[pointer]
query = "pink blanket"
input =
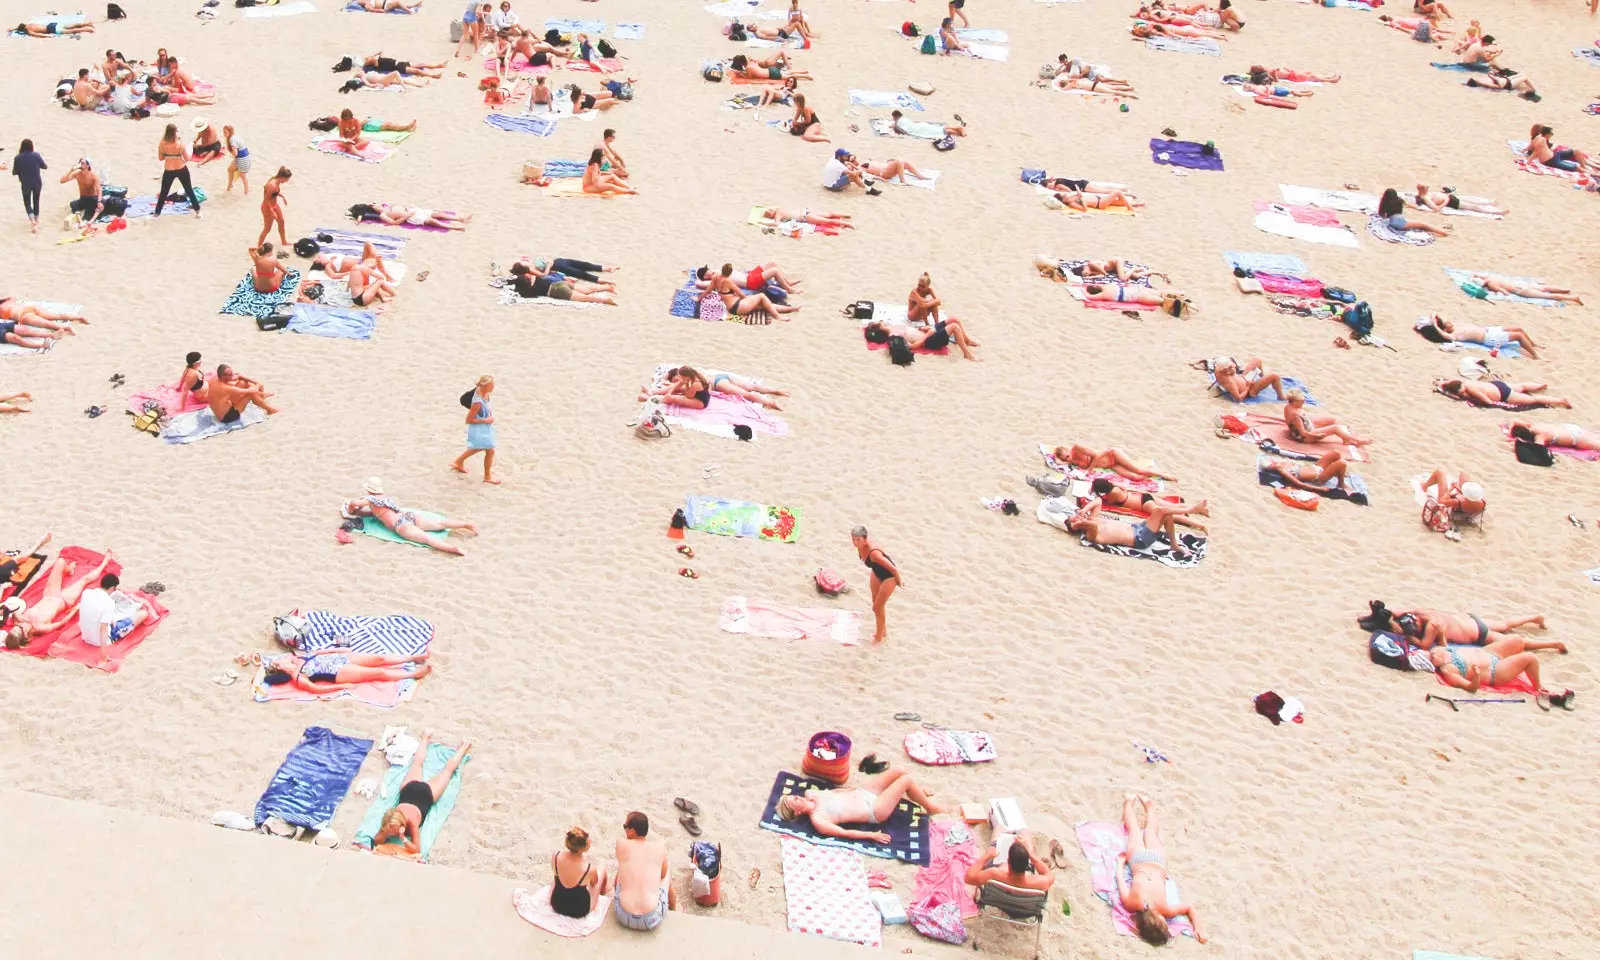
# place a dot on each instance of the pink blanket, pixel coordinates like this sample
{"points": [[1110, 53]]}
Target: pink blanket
{"points": [[1102, 841], [373, 152], [1315, 216], [1533, 166], [1293, 286], [169, 396], [1116, 305], [826, 892], [952, 849], [1576, 453], [67, 642], [535, 908], [762, 618], [725, 412]]}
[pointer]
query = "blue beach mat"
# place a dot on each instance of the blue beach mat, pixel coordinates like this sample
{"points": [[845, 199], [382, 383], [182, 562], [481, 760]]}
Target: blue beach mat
{"points": [[313, 778]]}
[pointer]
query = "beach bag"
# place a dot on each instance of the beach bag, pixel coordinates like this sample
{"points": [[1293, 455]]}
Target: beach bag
{"points": [[289, 629], [1176, 306], [653, 427], [1475, 290], [1534, 454], [307, 247], [1032, 176], [114, 12], [622, 91], [113, 191], [928, 45], [1389, 650], [313, 292], [712, 73], [1047, 72], [151, 417], [455, 31], [712, 307], [276, 320], [466, 398], [552, 36], [736, 32], [1338, 293], [909, 29], [860, 310], [830, 584], [244, 3], [685, 303], [1358, 318], [900, 352], [937, 918], [531, 170], [835, 771], [945, 143], [1436, 516], [113, 206]]}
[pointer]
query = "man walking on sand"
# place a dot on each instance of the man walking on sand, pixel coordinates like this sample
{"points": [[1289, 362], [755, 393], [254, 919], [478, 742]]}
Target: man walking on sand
{"points": [[644, 894]]}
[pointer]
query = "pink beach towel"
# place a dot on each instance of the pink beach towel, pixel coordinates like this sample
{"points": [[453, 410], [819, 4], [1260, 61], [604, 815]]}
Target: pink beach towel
{"points": [[517, 64], [535, 908], [602, 65], [175, 401], [1143, 486], [952, 849], [1533, 166], [1293, 286], [726, 411], [373, 152], [762, 618], [67, 642], [947, 747], [1117, 305], [1102, 841], [1314, 216], [826, 891], [1275, 429], [1576, 453]]}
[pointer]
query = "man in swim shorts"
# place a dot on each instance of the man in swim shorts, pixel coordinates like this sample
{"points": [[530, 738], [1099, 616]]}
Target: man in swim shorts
{"points": [[231, 393], [1430, 628], [643, 895]]}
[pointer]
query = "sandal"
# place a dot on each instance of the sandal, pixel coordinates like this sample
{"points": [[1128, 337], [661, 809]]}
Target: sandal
{"points": [[755, 877], [343, 536], [688, 574], [247, 659], [226, 679], [687, 806], [693, 826], [1057, 855], [93, 412], [908, 715], [686, 550], [422, 276], [1341, 343]]}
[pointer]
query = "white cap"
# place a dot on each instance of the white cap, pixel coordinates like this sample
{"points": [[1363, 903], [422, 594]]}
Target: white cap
{"points": [[1472, 490], [200, 123]]}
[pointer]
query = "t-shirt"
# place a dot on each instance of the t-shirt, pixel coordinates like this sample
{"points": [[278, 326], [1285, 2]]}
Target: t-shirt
{"points": [[502, 19], [95, 608], [26, 167], [833, 173]]}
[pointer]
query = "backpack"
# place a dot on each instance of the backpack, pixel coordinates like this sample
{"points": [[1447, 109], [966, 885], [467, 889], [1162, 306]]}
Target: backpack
{"points": [[1338, 293], [1358, 318], [830, 584], [929, 45], [552, 36], [307, 247], [1534, 454], [1423, 33], [860, 310], [945, 143], [1032, 175], [900, 352], [606, 49], [712, 73], [1390, 650], [113, 206], [114, 12], [289, 629], [909, 29]]}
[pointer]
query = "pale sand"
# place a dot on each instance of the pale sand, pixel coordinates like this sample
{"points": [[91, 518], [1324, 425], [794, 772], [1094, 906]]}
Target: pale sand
{"points": [[594, 681]]}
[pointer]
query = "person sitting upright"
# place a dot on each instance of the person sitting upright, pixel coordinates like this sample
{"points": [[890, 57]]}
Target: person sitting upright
{"points": [[1249, 380], [88, 92], [644, 893], [829, 810], [229, 394], [1022, 868], [577, 883], [1305, 428]]}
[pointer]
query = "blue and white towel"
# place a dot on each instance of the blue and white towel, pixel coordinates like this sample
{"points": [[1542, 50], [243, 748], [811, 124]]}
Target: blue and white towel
{"points": [[350, 242], [1588, 53], [1282, 263], [885, 98], [203, 424], [324, 321], [628, 31], [1380, 227], [982, 35], [1459, 277], [569, 25], [538, 126], [313, 779], [397, 635], [354, 6], [558, 169]]}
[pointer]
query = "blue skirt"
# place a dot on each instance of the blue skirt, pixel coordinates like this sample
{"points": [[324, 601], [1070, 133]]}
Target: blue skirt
{"points": [[480, 436]]}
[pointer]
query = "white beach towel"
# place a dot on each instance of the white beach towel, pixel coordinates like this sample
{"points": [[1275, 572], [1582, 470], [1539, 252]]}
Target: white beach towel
{"points": [[1283, 225], [1349, 201]]}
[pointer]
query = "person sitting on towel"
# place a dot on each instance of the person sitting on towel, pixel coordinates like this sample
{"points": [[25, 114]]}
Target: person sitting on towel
{"points": [[56, 607], [1133, 501], [1249, 380], [1111, 532], [1316, 477], [88, 92], [338, 668], [351, 127], [829, 810], [1462, 495], [1430, 628], [1305, 428], [1440, 330], [1145, 895], [416, 800], [1020, 867], [1498, 664], [266, 270], [948, 38], [1109, 459], [644, 892], [230, 393]]}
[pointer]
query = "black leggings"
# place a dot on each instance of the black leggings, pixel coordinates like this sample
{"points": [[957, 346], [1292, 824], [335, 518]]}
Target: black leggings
{"points": [[576, 269], [30, 200], [181, 175]]}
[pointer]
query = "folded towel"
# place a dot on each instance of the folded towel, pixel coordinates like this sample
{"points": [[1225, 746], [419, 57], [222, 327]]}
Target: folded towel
{"points": [[372, 152], [535, 908]]}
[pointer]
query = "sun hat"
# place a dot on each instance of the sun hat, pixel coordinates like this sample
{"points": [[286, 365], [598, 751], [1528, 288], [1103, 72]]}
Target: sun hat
{"points": [[375, 486], [200, 123], [1472, 490]]}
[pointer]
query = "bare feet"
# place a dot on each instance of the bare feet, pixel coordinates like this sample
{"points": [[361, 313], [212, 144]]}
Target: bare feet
{"points": [[491, 480], [1203, 508], [422, 671], [457, 467]]}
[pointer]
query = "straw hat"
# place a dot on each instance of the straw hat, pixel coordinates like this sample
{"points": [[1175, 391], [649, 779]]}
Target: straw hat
{"points": [[375, 486], [200, 123]]}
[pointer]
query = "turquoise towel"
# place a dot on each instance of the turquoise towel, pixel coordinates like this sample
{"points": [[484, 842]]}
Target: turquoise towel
{"points": [[373, 527], [438, 755]]}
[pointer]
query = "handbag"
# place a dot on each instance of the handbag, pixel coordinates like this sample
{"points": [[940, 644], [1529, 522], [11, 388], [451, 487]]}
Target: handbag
{"points": [[860, 310], [1176, 306], [653, 426]]}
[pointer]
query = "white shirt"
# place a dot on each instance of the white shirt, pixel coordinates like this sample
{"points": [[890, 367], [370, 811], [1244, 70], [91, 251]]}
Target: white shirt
{"points": [[832, 172], [502, 19], [96, 611]]}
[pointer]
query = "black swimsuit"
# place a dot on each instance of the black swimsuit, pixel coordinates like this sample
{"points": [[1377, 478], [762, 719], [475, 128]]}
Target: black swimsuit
{"points": [[419, 795], [879, 570], [570, 901]]}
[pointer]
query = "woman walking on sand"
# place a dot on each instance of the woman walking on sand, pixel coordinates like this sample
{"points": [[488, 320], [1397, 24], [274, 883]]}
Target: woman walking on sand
{"points": [[239, 167], [885, 577], [480, 429], [271, 212], [25, 167], [175, 169]]}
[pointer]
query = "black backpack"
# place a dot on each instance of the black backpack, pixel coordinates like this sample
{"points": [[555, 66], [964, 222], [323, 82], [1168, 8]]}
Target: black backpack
{"points": [[113, 206], [114, 12], [553, 37], [606, 49], [1359, 319], [307, 247], [900, 352], [1534, 454], [1390, 650]]}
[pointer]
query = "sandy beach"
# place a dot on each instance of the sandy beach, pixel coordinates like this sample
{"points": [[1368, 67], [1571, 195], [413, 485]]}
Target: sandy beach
{"points": [[593, 680]]}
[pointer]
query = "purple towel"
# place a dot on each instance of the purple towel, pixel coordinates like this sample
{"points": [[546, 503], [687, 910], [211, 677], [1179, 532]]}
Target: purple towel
{"points": [[1183, 153]]}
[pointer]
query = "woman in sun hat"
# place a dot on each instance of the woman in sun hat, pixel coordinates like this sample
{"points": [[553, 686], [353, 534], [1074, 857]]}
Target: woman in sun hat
{"points": [[406, 524]]}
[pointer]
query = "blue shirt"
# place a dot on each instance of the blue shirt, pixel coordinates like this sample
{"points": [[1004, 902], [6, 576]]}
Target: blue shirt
{"points": [[26, 167]]}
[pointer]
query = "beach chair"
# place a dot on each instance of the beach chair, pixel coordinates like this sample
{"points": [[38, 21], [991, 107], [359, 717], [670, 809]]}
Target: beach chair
{"points": [[1008, 904]]}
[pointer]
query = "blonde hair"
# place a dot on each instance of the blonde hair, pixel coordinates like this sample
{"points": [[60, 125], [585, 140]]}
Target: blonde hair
{"points": [[1295, 396], [1152, 926], [786, 808], [577, 839], [485, 380], [394, 822]]}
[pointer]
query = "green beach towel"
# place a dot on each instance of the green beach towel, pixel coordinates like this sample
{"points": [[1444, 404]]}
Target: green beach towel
{"points": [[438, 755], [740, 518], [373, 527]]}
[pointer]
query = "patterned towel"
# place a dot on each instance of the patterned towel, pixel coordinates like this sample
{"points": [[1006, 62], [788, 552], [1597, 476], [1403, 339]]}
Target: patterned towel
{"points": [[1057, 511], [373, 152], [313, 779], [946, 747], [1379, 227], [1201, 45], [535, 908], [393, 636], [1101, 842], [907, 827], [740, 518], [351, 242], [826, 890], [538, 126], [247, 301], [1527, 163]]}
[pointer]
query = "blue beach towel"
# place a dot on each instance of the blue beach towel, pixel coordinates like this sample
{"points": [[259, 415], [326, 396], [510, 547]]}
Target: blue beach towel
{"points": [[907, 829], [203, 424], [351, 242], [438, 755], [339, 322], [1283, 263], [538, 126], [1462, 67], [1459, 277], [569, 25], [628, 31], [1270, 395], [559, 169], [313, 778], [982, 35], [1590, 54], [354, 6]]}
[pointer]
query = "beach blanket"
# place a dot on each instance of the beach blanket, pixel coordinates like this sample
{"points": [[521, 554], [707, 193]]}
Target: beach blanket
{"points": [[569, 25], [313, 779], [1201, 45], [391, 636], [1525, 162], [826, 892], [144, 206], [354, 6], [1101, 842], [1184, 153], [1350, 201], [1280, 263], [976, 50], [1379, 227], [562, 169], [907, 828], [953, 848], [389, 794], [740, 518], [281, 10], [1576, 453], [568, 188], [12, 350], [1270, 394], [67, 642], [1285, 225], [336, 293], [1272, 434], [1311, 216], [374, 528], [1588, 53], [1149, 485], [350, 242], [247, 301], [724, 412], [946, 747], [1461, 277], [763, 618], [1057, 511], [1305, 287], [340, 322], [202, 424], [628, 31], [884, 98], [921, 129], [173, 400], [538, 126], [372, 152], [1462, 67], [535, 908], [1353, 490]]}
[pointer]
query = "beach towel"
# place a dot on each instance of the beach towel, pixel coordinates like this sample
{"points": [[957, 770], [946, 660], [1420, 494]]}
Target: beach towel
{"points": [[1588, 53], [1270, 394], [562, 169], [1525, 162], [1379, 227], [67, 642], [354, 6], [1462, 67], [11, 349], [1576, 453], [339, 322], [143, 207], [1149, 485], [952, 849], [389, 794], [345, 241], [946, 747], [568, 188], [921, 129], [740, 518], [928, 181], [724, 412], [247, 301], [568, 25], [1284, 225], [280, 10], [628, 31], [373, 152], [1353, 490], [374, 528], [1201, 45], [1306, 287], [795, 42], [907, 828], [884, 98], [535, 908], [763, 618], [1462, 277], [1272, 435], [391, 636], [336, 293], [538, 126], [1184, 153], [826, 893], [1280, 263], [1350, 201], [1311, 216], [313, 779], [173, 400], [1057, 511], [203, 424], [1101, 842]]}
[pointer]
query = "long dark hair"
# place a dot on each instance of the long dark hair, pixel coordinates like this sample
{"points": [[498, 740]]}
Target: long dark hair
{"points": [[597, 157], [1391, 203], [26, 147], [1430, 332]]}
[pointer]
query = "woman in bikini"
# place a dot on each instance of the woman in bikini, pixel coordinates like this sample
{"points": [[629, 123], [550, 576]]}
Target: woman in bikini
{"points": [[805, 124], [1501, 393], [1133, 501], [884, 580], [1084, 202], [1111, 459], [798, 24], [18, 402], [57, 607], [1331, 466], [28, 325], [874, 803], [597, 181], [192, 381], [174, 169], [739, 303], [1498, 664], [266, 271], [780, 95], [1143, 30], [685, 387], [338, 266], [1393, 210], [272, 199], [1565, 435], [1145, 895], [416, 799], [1144, 296], [1305, 428], [1531, 290], [1116, 88], [368, 285], [396, 215], [834, 221], [406, 524], [239, 165], [339, 668]]}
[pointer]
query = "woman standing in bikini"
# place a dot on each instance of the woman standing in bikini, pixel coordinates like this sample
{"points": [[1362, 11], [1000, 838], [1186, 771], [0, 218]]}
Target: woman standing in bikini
{"points": [[1145, 896], [416, 800], [175, 169], [884, 580], [271, 211]]}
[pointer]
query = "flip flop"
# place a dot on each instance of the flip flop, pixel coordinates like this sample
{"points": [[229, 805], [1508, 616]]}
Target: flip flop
{"points": [[93, 412], [755, 877], [343, 536], [693, 826], [688, 574], [422, 276], [227, 679], [908, 715], [686, 550], [687, 806], [1058, 854]]}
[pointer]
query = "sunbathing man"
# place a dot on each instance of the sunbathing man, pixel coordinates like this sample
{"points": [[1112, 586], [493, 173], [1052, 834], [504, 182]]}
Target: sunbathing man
{"points": [[1144, 296], [229, 393], [416, 800], [763, 275], [56, 607], [939, 336], [644, 893], [1145, 896], [88, 92], [1249, 380], [52, 29], [775, 67], [899, 125], [266, 271], [529, 283], [1532, 290], [829, 810], [383, 64], [1439, 202], [1113, 532], [1542, 147], [1463, 496], [833, 221], [1566, 435], [571, 269], [739, 303], [1501, 393], [1430, 628], [1331, 466], [1498, 664], [406, 524], [1132, 501], [1305, 428], [1021, 869], [339, 668], [1110, 459]]}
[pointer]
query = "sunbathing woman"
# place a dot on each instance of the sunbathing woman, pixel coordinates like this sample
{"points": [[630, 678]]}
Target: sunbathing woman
{"points": [[739, 304], [530, 282], [766, 33], [339, 265], [394, 78], [52, 29], [19, 322], [406, 524], [1410, 24], [745, 388], [1514, 83], [1291, 76], [1110, 459], [1393, 209], [1133, 501], [31, 313], [1305, 428], [1144, 30], [1533, 290], [1501, 393], [59, 604], [805, 124], [1112, 532], [1236, 380], [266, 271], [1472, 668], [383, 64], [384, 6], [368, 285], [1144, 296], [1117, 88], [417, 797], [339, 668], [1076, 200], [685, 387], [1564, 435], [16, 403], [397, 215], [1439, 202], [835, 221], [781, 95], [940, 336], [1145, 895], [829, 810], [597, 181], [775, 67], [1311, 476]]}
